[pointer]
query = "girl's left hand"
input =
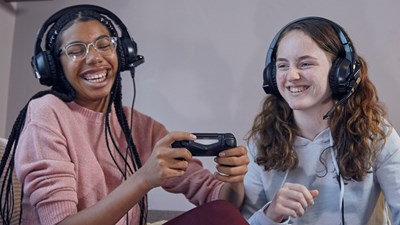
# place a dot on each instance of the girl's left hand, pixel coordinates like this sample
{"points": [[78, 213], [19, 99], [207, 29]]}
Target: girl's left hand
{"points": [[232, 165]]}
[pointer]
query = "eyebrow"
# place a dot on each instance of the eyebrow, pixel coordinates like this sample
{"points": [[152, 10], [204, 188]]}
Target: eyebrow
{"points": [[76, 42], [300, 58]]}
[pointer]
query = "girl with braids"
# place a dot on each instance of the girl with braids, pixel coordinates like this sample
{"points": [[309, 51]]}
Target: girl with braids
{"points": [[308, 166], [84, 158]]}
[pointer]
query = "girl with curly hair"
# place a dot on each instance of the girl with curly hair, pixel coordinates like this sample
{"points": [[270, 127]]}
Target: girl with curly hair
{"points": [[321, 149]]}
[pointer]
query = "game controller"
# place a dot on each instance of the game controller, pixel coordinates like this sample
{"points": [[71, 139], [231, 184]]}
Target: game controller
{"points": [[207, 144]]}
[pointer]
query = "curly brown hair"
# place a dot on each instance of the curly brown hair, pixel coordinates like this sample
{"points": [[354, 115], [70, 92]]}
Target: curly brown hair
{"points": [[358, 126]]}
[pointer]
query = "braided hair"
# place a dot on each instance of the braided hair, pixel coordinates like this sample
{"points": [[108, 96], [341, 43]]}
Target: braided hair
{"points": [[64, 90]]}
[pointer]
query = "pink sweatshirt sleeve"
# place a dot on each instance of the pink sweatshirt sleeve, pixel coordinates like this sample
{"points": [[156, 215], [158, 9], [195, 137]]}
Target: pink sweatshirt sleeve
{"points": [[197, 184]]}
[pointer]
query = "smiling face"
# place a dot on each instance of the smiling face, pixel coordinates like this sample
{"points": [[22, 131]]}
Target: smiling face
{"points": [[302, 69], [92, 77]]}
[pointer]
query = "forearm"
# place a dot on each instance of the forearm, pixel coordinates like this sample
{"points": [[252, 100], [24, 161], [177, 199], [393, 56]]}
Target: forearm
{"points": [[233, 192], [113, 207]]}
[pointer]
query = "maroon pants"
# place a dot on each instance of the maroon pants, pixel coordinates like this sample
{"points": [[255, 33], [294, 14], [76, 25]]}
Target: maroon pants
{"points": [[218, 212]]}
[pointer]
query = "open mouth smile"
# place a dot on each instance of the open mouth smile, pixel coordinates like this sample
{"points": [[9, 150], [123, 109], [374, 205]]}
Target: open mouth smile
{"points": [[297, 89], [96, 77]]}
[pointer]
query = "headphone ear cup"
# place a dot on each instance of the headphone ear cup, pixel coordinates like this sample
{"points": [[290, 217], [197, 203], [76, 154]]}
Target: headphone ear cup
{"points": [[44, 68], [127, 50], [270, 86], [339, 77]]}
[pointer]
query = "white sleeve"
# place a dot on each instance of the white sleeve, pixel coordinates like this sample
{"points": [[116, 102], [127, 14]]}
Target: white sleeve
{"points": [[259, 218], [255, 198], [387, 172]]}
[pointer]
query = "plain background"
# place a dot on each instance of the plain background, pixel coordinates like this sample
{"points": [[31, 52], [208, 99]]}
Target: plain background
{"points": [[204, 59]]}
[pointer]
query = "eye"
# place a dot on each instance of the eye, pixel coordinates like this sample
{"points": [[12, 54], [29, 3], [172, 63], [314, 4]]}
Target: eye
{"points": [[282, 66], [76, 50], [306, 64], [104, 44]]}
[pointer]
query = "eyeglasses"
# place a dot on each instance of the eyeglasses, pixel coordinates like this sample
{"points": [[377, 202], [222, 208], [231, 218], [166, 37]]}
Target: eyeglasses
{"points": [[78, 50]]}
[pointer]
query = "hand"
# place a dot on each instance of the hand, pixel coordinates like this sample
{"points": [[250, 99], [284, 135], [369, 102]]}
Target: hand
{"points": [[232, 165], [291, 200], [166, 162]]}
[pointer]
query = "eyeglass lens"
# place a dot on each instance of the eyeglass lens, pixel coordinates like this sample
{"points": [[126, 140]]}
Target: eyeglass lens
{"points": [[78, 51]]}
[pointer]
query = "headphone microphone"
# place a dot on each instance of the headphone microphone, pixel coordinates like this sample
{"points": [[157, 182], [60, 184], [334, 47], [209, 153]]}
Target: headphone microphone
{"points": [[344, 99], [328, 114], [136, 61]]}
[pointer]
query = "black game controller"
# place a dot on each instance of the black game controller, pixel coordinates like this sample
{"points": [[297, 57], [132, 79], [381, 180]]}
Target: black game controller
{"points": [[199, 147]]}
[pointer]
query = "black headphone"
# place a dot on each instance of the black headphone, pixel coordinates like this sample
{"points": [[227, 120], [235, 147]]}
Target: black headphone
{"points": [[44, 64], [344, 75]]}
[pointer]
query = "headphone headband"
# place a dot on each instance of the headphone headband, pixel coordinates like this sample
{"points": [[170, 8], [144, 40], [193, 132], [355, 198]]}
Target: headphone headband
{"points": [[76, 8], [342, 35]]}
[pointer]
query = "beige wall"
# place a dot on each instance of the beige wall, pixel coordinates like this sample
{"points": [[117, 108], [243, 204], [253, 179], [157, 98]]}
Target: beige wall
{"points": [[204, 59], [7, 22]]}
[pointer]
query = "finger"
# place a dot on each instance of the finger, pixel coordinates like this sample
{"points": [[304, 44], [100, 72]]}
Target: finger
{"points": [[290, 206], [237, 151], [172, 168], [299, 193], [179, 164], [232, 171], [297, 208], [175, 136], [233, 157], [169, 173], [232, 161], [314, 193], [281, 207], [179, 135], [162, 172], [302, 189], [178, 154]]}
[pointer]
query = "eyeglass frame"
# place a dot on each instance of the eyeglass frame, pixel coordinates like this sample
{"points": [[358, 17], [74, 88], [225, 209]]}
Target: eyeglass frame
{"points": [[113, 42]]}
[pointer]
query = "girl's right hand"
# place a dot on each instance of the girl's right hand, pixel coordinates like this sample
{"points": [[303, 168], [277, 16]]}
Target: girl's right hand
{"points": [[166, 162], [291, 200]]}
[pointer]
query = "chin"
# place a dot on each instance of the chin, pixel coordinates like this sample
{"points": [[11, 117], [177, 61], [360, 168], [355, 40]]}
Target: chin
{"points": [[297, 106]]}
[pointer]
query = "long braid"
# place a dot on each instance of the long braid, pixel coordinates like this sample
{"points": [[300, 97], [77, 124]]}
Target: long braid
{"points": [[7, 161], [131, 145], [63, 90]]}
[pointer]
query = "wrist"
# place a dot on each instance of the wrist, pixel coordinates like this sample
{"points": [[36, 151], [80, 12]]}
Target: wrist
{"points": [[138, 179], [273, 216]]}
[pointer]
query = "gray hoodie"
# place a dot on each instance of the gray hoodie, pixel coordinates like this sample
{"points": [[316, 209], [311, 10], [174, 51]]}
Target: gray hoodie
{"points": [[363, 201]]}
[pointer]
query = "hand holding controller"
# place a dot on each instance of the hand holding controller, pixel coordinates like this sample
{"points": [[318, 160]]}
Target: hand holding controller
{"points": [[200, 147]]}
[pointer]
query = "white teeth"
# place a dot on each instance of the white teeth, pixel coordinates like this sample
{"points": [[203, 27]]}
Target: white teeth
{"points": [[96, 78], [296, 89]]}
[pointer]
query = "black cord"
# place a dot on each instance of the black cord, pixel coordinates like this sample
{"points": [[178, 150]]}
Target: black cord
{"points": [[108, 132], [132, 70], [143, 202]]}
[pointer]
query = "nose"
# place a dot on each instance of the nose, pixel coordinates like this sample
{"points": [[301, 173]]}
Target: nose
{"points": [[293, 74], [93, 55]]}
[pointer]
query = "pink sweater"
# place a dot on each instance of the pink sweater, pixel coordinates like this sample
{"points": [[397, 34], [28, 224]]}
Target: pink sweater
{"points": [[65, 166]]}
